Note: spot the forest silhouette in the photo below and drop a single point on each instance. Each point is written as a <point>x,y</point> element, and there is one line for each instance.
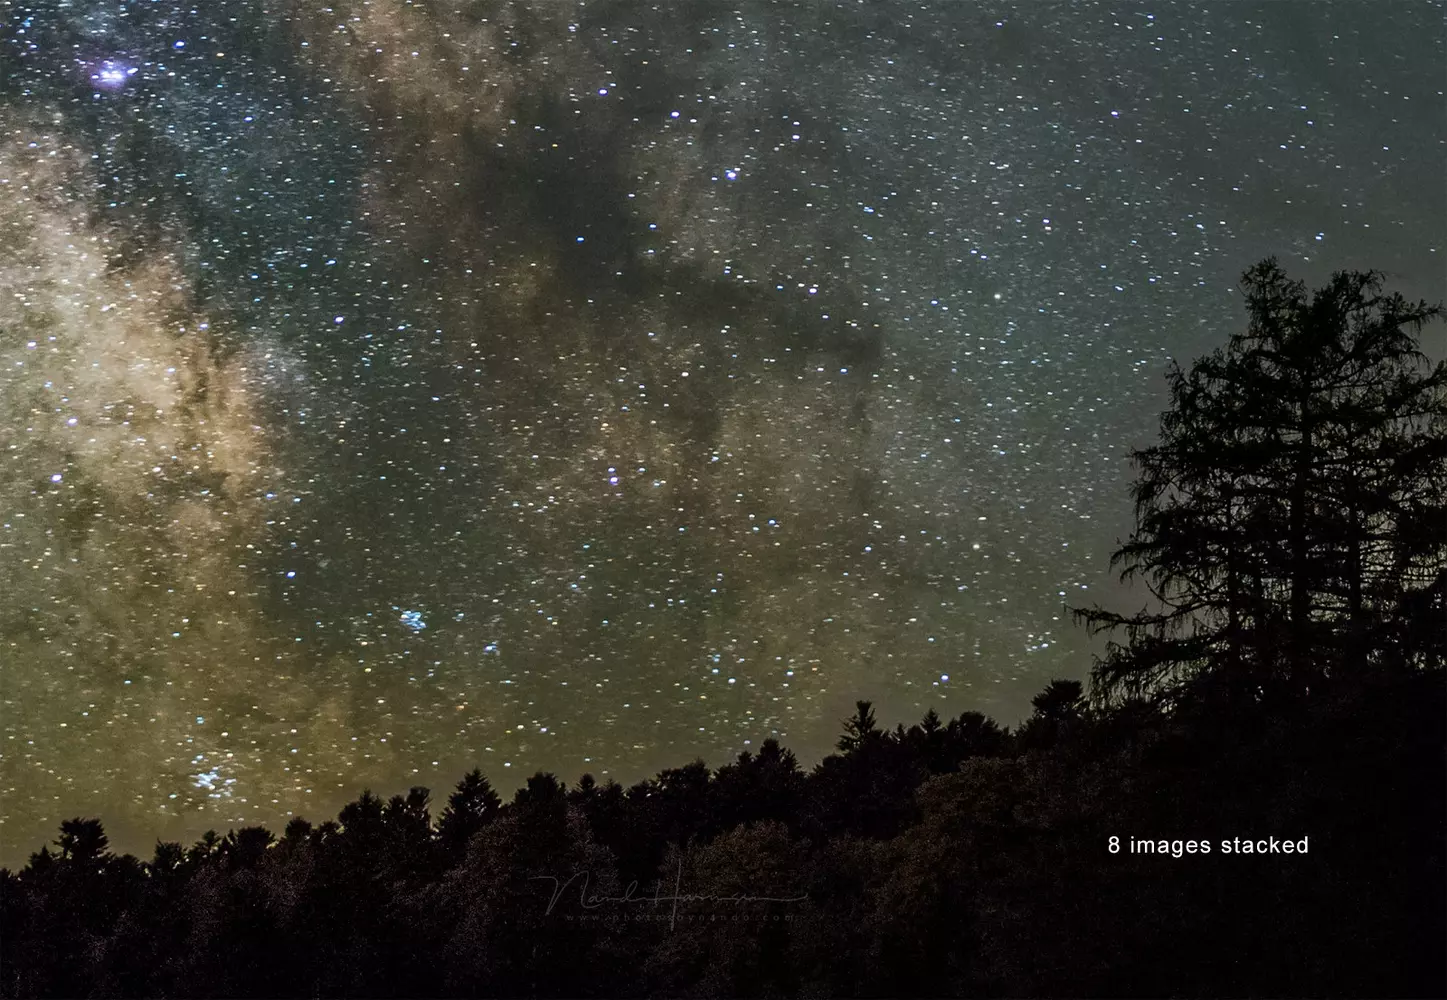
<point>1284,685</point>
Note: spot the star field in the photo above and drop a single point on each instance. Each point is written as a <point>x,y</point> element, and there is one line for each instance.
<point>391,388</point>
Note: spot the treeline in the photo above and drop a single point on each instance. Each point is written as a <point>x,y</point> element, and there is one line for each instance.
<point>942,859</point>
<point>1286,681</point>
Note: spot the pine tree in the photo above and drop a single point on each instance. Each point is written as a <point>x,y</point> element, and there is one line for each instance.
<point>469,809</point>
<point>1290,524</point>
<point>859,729</point>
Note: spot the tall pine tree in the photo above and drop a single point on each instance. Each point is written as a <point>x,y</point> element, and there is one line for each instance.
<point>1291,524</point>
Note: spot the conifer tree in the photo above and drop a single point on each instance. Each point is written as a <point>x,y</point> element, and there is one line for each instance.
<point>1291,523</point>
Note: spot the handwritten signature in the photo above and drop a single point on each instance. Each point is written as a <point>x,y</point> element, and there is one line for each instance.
<point>592,901</point>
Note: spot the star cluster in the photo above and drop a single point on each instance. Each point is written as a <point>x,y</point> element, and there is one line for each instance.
<point>391,388</point>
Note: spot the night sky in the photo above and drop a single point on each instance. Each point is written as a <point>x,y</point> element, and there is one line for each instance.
<point>391,388</point>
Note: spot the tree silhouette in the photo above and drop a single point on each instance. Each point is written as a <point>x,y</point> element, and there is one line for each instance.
<point>168,858</point>
<point>859,729</point>
<point>82,841</point>
<point>471,807</point>
<point>297,831</point>
<point>1061,700</point>
<point>756,787</point>
<point>409,829</point>
<point>245,848</point>
<point>1057,709</point>
<point>1291,513</point>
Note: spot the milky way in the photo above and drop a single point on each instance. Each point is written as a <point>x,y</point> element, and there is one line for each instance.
<point>392,388</point>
